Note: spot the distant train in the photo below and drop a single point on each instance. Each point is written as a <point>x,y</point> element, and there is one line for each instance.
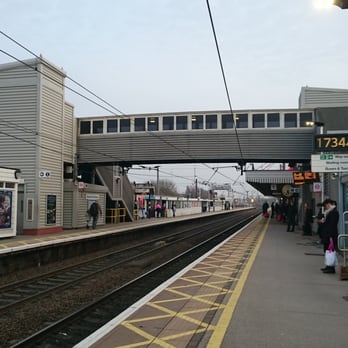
<point>147,206</point>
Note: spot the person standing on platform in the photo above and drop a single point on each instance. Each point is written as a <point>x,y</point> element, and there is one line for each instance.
<point>292,213</point>
<point>158,209</point>
<point>320,217</point>
<point>272,209</point>
<point>95,211</point>
<point>329,229</point>
<point>307,220</point>
<point>173,209</point>
<point>265,207</point>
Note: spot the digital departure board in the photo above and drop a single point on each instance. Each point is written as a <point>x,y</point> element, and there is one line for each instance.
<point>331,142</point>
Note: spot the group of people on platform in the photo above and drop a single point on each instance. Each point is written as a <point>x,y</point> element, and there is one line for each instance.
<point>287,212</point>
<point>156,209</point>
<point>327,222</point>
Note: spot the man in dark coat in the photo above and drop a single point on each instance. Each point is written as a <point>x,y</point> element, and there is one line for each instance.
<point>307,220</point>
<point>95,211</point>
<point>329,229</point>
<point>292,213</point>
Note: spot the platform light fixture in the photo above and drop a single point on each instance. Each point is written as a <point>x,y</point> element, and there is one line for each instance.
<point>17,174</point>
<point>343,4</point>
<point>314,123</point>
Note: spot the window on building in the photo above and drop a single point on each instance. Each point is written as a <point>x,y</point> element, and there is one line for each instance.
<point>210,121</point>
<point>181,122</point>
<point>30,209</point>
<point>290,120</point>
<point>226,121</point>
<point>305,117</point>
<point>168,123</point>
<point>111,126</point>
<point>197,121</point>
<point>273,120</point>
<point>152,124</point>
<point>85,127</point>
<point>125,125</point>
<point>258,120</point>
<point>242,121</point>
<point>98,127</point>
<point>139,124</point>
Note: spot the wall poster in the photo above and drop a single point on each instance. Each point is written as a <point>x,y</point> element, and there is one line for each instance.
<point>5,208</point>
<point>51,208</point>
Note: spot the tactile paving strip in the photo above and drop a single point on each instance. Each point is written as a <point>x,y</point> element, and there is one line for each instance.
<point>193,307</point>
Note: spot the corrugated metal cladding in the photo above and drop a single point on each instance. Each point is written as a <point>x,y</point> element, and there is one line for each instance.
<point>311,97</point>
<point>68,209</point>
<point>257,145</point>
<point>51,147</point>
<point>269,177</point>
<point>18,120</point>
<point>69,138</point>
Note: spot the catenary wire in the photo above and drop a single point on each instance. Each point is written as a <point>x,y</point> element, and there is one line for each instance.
<point>83,96</point>
<point>62,84</point>
<point>224,78</point>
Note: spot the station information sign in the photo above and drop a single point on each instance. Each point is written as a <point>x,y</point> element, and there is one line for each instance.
<point>331,142</point>
<point>301,178</point>
<point>329,163</point>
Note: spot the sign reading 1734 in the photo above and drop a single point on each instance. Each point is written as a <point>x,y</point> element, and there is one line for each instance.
<point>326,163</point>
<point>331,142</point>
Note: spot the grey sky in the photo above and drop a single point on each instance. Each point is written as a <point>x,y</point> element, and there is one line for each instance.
<point>146,56</point>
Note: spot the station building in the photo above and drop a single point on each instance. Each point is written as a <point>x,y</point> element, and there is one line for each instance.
<point>39,137</point>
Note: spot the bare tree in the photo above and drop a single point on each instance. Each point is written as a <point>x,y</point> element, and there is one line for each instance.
<point>167,188</point>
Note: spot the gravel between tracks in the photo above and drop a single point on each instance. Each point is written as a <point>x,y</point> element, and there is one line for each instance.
<point>30,317</point>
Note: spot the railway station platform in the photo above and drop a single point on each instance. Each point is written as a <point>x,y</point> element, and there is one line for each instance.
<point>261,288</point>
<point>22,242</point>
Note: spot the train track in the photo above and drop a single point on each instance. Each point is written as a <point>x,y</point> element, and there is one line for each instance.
<point>126,294</point>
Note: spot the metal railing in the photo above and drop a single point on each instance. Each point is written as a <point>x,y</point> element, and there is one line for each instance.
<point>342,240</point>
<point>116,215</point>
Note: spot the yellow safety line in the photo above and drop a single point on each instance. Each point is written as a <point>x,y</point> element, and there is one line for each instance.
<point>226,316</point>
<point>226,309</point>
<point>150,338</point>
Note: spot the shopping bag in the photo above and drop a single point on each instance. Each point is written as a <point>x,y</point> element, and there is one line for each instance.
<point>331,246</point>
<point>330,258</point>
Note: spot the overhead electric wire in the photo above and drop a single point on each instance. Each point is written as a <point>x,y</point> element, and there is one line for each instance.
<point>8,123</point>
<point>54,80</point>
<point>68,77</point>
<point>123,115</point>
<point>224,78</point>
<point>78,93</point>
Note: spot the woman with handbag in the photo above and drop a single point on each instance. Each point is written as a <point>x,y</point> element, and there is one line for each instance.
<point>329,230</point>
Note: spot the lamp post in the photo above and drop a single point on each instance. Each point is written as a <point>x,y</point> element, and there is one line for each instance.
<point>157,183</point>
<point>321,131</point>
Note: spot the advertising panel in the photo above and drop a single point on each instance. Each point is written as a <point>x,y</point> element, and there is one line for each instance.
<point>5,208</point>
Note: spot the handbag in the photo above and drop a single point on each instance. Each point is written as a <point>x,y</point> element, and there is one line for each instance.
<point>331,246</point>
<point>330,258</point>
<point>330,255</point>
